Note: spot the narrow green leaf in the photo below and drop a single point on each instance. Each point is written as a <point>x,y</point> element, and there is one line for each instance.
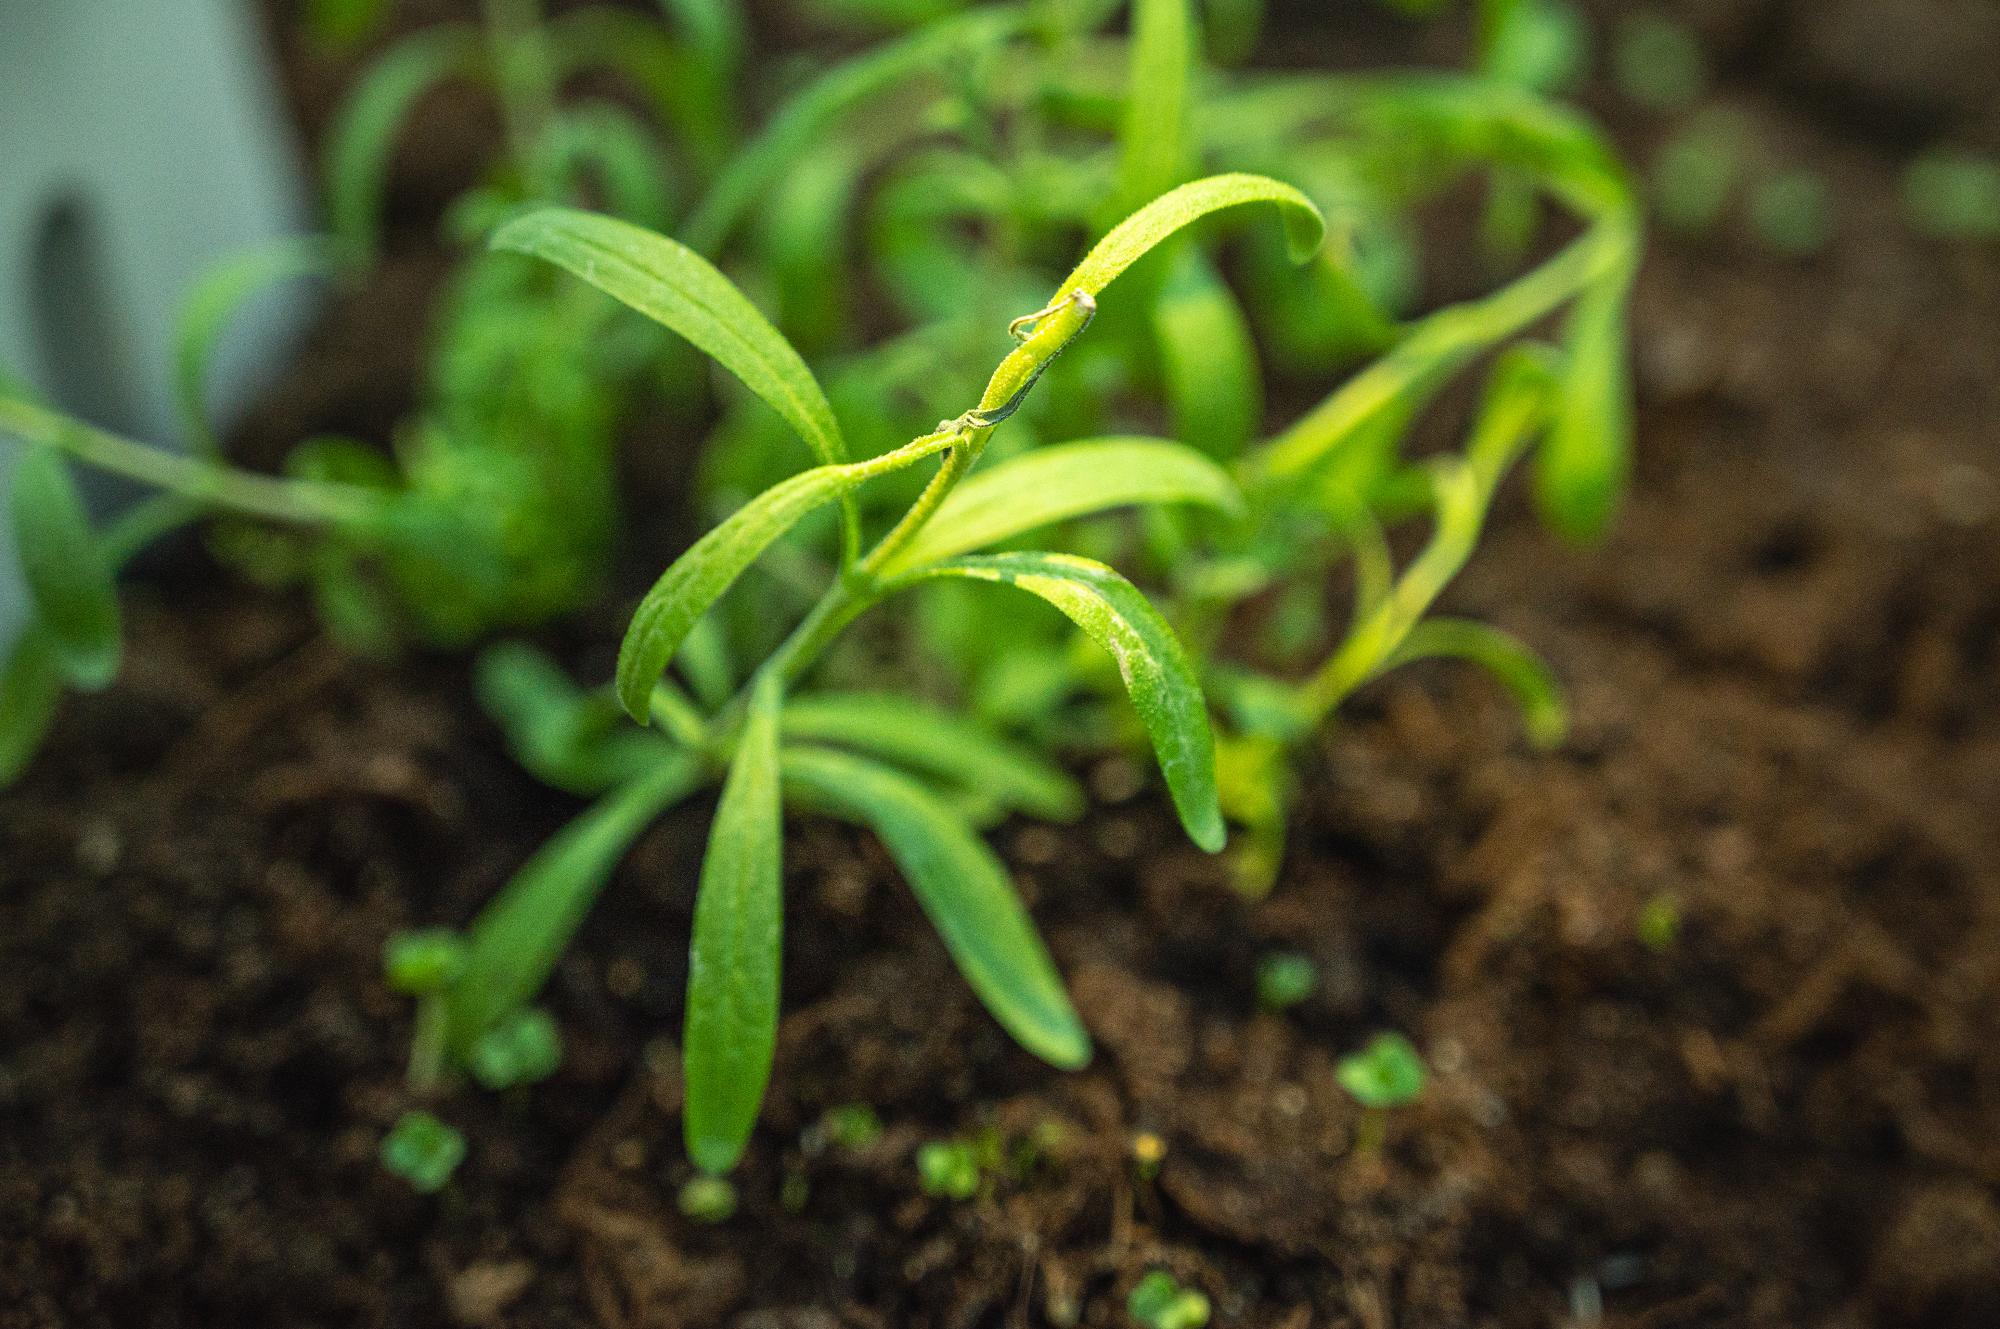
<point>30,688</point>
<point>1173,212</point>
<point>213,301</point>
<point>565,737</point>
<point>1053,484</point>
<point>1526,676</point>
<point>514,944</point>
<point>606,145</point>
<point>1156,672</point>
<point>1583,465</point>
<point>798,126</point>
<point>700,576</point>
<point>1155,151</point>
<point>671,284</point>
<point>936,742</point>
<point>363,135</point>
<point>69,579</point>
<point>732,1001</point>
<point>1213,384</point>
<point>963,890</point>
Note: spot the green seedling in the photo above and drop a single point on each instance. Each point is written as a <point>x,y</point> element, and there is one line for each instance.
<point>1158,1301</point>
<point>519,1050</point>
<point>1793,214</point>
<point>1698,170</point>
<point>1659,925</point>
<point>423,962</point>
<point>423,1151</point>
<point>1387,1073</point>
<point>707,1199</point>
<point>1284,979</point>
<point>949,1169</point>
<point>1953,196</point>
<point>859,773</point>
<point>853,1127</point>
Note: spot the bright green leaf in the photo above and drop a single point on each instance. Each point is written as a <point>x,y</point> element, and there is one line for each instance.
<point>963,889</point>
<point>69,578</point>
<point>925,738</point>
<point>1053,484</point>
<point>732,1001</point>
<point>1156,671</point>
<point>1582,468</point>
<point>671,284</point>
<point>1165,216</point>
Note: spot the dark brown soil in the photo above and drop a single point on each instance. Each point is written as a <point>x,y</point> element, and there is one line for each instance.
<point>1783,665</point>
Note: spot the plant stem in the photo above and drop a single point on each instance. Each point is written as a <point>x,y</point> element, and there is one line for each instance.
<point>293,502</point>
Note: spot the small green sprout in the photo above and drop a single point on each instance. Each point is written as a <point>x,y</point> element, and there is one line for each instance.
<point>707,1199</point>
<point>424,962</point>
<point>423,1151</point>
<point>1954,195</point>
<point>1793,213</point>
<point>520,1050</point>
<point>1697,170</point>
<point>1284,979</point>
<point>1158,1301</point>
<point>949,1169</point>
<point>1657,63</point>
<point>1659,925</point>
<point>852,1126</point>
<point>1387,1073</point>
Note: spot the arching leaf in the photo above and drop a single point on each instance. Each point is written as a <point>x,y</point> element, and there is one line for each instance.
<point>69,578</point>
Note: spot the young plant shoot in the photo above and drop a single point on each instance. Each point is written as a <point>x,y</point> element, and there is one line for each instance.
<point>901,789</point>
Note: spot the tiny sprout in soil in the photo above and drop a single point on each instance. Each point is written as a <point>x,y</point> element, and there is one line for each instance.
<point>1158,1301</point>
<point>423,1151</point>
<point>1284,979</point>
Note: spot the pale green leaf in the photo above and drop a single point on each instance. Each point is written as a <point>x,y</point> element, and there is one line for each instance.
<point>214,300</point>
<point>671,284</point>
<point>69,578</point>
<point>1155,151</point>
<point>362,138</point>
<point>732,1002</point>
<point>514,944</point>
<point>936,742</point>
<point>963,889</point>
<point>798,126</point>
<point>699,577</point>
<point>30,689</point>
<point>1583,464</point>
<point>1157,674</point>
<point>1165,216</point>
<point>1214,387</point>
<point>1053,484</point>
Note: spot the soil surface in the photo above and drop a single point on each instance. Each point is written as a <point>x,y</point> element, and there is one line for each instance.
<point>1782,665</point>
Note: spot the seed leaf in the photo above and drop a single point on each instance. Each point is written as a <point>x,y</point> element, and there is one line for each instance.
<point>30,688</point>
<point>514,943</point>
<point>698,578</point>
<point>214,300</point>
<point>1156,671</point>
<point>1067,480</point>
<point>69,578</point>
<point>732,1002</point>
<point>797,127</point>
<point>963,889</point>
<point>671,284</point>
<point>363,137</point>
<point>935,742</point>
<point>1133,238</point>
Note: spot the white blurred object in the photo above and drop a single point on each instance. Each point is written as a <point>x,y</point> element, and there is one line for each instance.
<point>141,141</point>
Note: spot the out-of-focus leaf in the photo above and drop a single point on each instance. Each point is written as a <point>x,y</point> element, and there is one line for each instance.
<point>214,300</point>
<point>30,689</point>
<point>1155,151</point>
<point>1581,469</point>
<point>1213,384</point>
<point>69,579</point>
<point>1526,676</point>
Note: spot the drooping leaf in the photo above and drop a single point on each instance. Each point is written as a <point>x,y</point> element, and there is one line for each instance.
<point>674,286</point>
<point>699,577</point>
<point>69,579</point>
<point>1156,671</point>
<point>574,740</point>
<point>936,742</point>
<point>1165,216</point>
<point>1052,484</point>
<point>963,889</point>
<point>515,942</point>
<point>1155,148</point>
<point>363,135</point>
<point>1526,676</point>
<point>1214,387</point>
<point>799,125</point>
<point>214,300</point>
<point>732,1001</point>
<point>30,688</point>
